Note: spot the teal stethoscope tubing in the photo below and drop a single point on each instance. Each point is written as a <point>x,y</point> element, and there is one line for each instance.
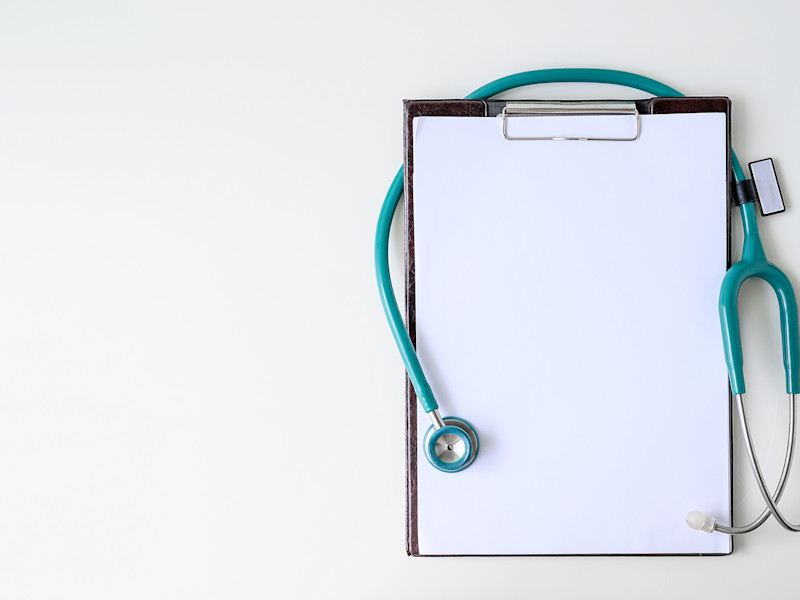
<point>753,264</point>
<point>395,193</point>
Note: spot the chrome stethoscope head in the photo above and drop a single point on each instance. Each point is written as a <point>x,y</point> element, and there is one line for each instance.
<point>450,444</point>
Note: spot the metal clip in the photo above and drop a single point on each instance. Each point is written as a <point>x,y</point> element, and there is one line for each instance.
<point>571,109</point>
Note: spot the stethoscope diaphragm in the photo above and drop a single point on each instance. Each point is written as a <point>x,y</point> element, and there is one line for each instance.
<point>453,447</point>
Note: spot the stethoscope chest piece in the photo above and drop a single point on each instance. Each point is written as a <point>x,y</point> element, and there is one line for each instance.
<point>452,447</point>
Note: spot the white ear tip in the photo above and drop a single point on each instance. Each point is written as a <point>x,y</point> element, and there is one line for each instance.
<point>701,522</point>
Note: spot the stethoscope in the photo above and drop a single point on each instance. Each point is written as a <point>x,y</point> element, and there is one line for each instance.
<point>451,444</point>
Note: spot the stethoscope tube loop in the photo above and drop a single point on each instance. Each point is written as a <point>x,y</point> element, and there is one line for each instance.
<point>395,192</point>
<point>753,264</point>
<point>784,477</point>
<point>770,499</point>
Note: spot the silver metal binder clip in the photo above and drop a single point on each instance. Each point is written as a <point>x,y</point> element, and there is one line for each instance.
<point>571,109</point>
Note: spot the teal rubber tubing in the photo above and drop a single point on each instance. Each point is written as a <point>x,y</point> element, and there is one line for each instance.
<point>395,193</point>
<point>390,308</point>
<point>754,264</point>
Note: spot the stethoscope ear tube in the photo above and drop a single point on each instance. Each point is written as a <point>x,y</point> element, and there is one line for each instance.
<point>772,502</point>
<point>702,522</point>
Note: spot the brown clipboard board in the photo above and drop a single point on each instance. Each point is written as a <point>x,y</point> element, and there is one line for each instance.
<point>492,108</point>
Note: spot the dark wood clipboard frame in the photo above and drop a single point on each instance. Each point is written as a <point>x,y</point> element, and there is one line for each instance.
<point>491,108</point>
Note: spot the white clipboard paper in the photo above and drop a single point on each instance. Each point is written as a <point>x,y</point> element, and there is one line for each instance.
<point>563,299</point>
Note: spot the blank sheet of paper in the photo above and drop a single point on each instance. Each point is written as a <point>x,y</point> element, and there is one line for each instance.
<point>566,305</point>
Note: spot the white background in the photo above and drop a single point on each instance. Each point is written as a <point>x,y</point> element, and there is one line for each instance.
<point>200,398</point>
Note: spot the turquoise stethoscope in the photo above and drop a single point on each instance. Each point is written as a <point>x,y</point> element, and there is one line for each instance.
<point>451,444</point>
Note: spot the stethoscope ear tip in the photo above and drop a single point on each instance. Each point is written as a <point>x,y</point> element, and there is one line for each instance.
<point>451,448</point>
<point>700,521</point>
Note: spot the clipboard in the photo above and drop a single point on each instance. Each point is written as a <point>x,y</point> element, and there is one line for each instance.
<point>588,448</point>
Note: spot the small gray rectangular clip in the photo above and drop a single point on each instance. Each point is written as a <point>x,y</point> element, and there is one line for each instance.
<point>765,179</point>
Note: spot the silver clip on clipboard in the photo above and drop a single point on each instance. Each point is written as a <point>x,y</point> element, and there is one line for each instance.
<point>571,109</point>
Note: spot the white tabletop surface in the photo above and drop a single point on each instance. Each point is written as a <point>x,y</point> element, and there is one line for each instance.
<point>200,396</point>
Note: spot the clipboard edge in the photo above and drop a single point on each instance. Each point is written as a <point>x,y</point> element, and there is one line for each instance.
<point>485,108</point>
<point>412,109</point>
